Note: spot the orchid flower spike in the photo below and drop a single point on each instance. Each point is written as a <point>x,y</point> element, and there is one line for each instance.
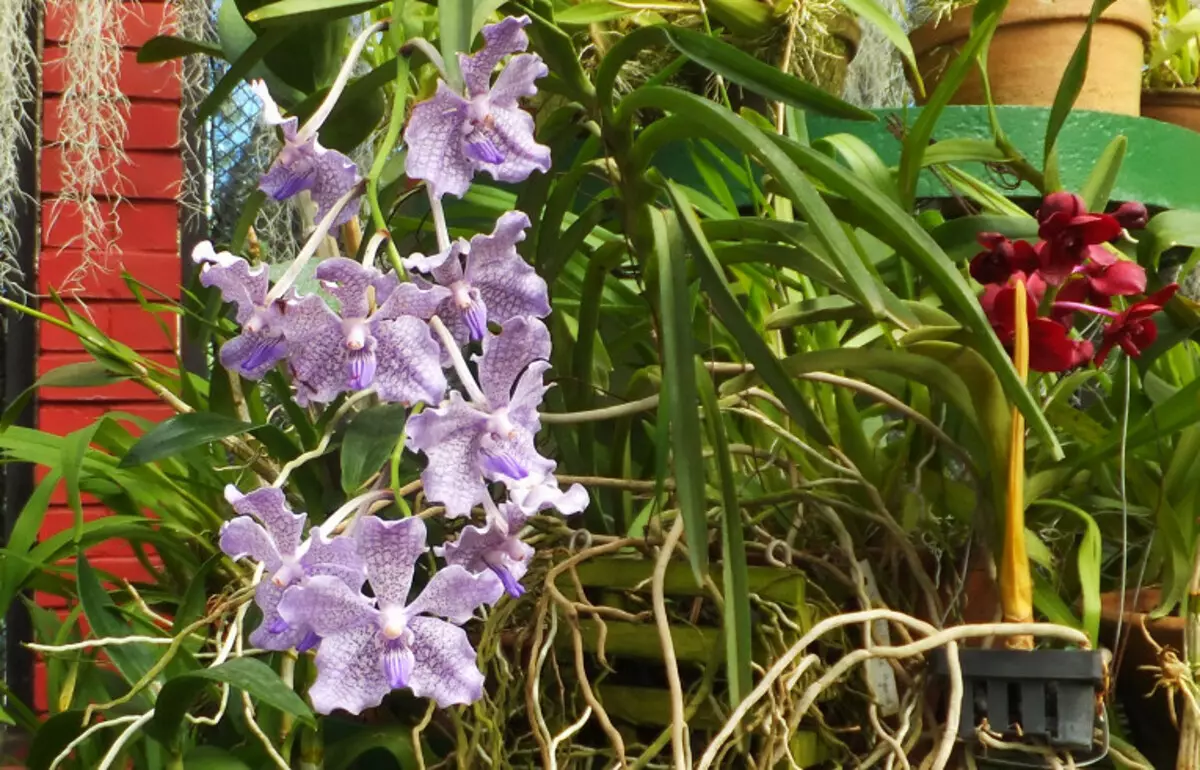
<point>303,164</point>
<point>451,136</point>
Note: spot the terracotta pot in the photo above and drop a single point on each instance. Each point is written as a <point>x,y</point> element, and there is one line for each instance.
<point>1031,48</point>
<point>1177,106</point>
<point>1149,718</point>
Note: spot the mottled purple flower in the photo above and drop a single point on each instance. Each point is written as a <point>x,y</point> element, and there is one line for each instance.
<point>533,498</point>
<point>303,164</point>
<point>450,136</point>
<point>495,547</point>
<point>371,647</point>
<point>466,443</point>
<point>261,344</point>
<point>267,531</point>
<point>378,338</point>
<point>487,280</point>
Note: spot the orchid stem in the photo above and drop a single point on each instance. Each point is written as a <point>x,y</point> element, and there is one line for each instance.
<point>1068,305</point>
<point>460,364</point>
<point>395,124</point>
<point>330,525</point>
<point>373,245</point>
<point>318,118</point>
<point>431,53</point>
<point>439,221</point>
<point>311,245</point>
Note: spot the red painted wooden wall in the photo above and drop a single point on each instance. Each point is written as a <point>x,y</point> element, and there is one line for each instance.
<point>148,239</point>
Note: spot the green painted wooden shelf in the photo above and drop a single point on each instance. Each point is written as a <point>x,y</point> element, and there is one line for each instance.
<point>1161,167</point>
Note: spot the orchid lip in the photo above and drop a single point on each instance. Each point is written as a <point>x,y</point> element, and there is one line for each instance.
<point>512,586</point>
<point>277,626</point>
<point>309,641</point>
<point>265,351</point>
<point>1068,305</point>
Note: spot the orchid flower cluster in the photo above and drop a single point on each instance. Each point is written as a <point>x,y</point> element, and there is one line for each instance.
<point>1070,269</point>
<point>397,335</point>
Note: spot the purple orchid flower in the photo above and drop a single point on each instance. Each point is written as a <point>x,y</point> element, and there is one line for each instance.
<point>468,442</point>
<point>261,343</point>
<point>546,494</point>
<point>377,340</point>
<point>303,164</point>
<point>487,280</point>
<point>267,531</point>
<point>371,647</point>
<point>494,547</point>
<point>451,136</point>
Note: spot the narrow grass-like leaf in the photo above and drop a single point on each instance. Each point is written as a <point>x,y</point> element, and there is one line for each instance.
<point>676,319</point>
<point>132,660</point>
<point>1088,560</point>
<point>180,433</point>
<point>167,47</point>
<point>735,580</point>
<point>1071,84</point>
<point>292,12</point>
<point>237,71</point>
<point>74,449</point>
<point>1103,179</point>
<point>734,318</point>
<point>370,438</point>
<point>454,34</point>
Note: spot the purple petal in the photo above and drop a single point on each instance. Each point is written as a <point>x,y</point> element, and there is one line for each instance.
<point>527,397</point>
<point>384,285</point>
<point>326,605</point>
<point>511,130</point>
<point>335,175</point>
<point>294,170</point>
<point>350,283</point>
<point>411,299</point>
<point>500,39</point>
<point>361,365</point>
<point>449,437</point>
<point>238,282</point>
<point>253,355</point>
<point>512,583</point>
<point>398,663</point>
<point>350,673</point>
<point>516,80</point>
<point>390,550</point>
<point>434,139</point>
<point>454,593</point>
<point>409,368</point>
<point>506,355</point>
<point>508,284</point>
<point>270,507</point>
<point>547,495</point>
<point>494,548</point>
<point>445,668</point>
<point>513,459</point>
<point>274,633</point>
<point>317,343</point>
<point>427,264</point>
<point>474,314</point>
<point>337,557</point>
<point>480,146</point>
<point>309,641</point>
<point>243,536</point>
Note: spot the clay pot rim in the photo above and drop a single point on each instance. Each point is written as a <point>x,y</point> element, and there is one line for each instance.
<point>1175,97</point>
<point>1134,14</point>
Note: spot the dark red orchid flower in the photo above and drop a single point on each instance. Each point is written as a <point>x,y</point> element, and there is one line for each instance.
<point>1132,215</point>
<point>1067,231</point>
<point>1134,330</point>
<point>1050,347</point>
<point>1002,258</point>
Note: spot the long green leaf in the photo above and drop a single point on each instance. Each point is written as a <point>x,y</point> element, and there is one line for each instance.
<point>713,121</point>
<point>74,450</point>
<point>292,12</point>
<point>916,245</point>
<point>916,144</point>
<point>1103,179</point>
<point>181,433</point>
<point>735,580</point>
<point>1088,562</point>
<point>734,318</point>
<point>167,47</point>
<point>676,319</point>
<point>132,660</point>
<point>454,34</point>
<point>875,14</point>
<point>1071,84</point>
<point>246,674</point>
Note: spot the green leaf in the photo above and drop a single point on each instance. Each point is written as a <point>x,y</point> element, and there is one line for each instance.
<point>85,374</point>
<point>735,580</point>
<point>676,319</point>
<point>591,13</point>
<point>916,143</point>
<point>214,758</point>
<point>1071,84</point>
<point>862,160</point>
<point>394,739</point>
<point>238,71</point>
<point>369,441</point>
<point>1166,231</point>
<point>831,308</point>
<point>297,11</point>
<point>875,14</point>
<point>739,67</point>
<point>734,318</point>
<point>1088,560</point>
<point>963,150</point>
<point>454,34</point>
<point>168,47</point>
<point>181,433</point>
<point>1103,179</point>
<point>52,737</point>
<point>246,674</point>
<point>132,660</point>
<point>74,449</point>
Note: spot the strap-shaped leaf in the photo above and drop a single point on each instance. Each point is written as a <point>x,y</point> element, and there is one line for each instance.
<point>180,433</point>
<point>291,12</point>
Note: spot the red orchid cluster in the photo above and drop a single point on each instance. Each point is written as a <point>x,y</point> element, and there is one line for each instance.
<point>1071,264</point>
